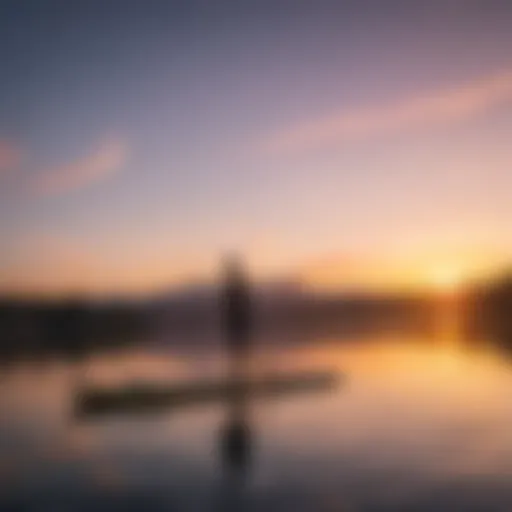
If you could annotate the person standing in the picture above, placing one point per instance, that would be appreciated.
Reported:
(237, 309)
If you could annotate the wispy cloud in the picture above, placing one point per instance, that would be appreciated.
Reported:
(10, 156)
(106, 160)
(440, 107)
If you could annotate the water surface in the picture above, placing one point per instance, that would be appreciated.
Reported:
(416, 425)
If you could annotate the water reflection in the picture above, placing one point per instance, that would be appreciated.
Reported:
(449, 320)
(235, 448)
(422, 426)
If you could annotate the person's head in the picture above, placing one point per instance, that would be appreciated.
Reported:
(232, 267)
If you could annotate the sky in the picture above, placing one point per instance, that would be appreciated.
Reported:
(358, 144)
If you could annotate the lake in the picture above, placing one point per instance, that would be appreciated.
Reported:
(415, 424)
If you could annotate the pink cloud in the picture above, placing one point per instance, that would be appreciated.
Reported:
(439, 107)
(106, 160)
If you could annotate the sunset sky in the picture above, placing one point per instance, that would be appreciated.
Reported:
(355, 144)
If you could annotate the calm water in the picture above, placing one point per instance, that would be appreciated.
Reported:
(416, 426)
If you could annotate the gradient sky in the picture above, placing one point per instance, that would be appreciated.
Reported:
(357, 143)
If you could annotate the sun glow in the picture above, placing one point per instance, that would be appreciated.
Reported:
(446, 279)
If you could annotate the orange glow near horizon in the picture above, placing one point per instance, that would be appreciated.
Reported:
(443, 278)
(63, 272)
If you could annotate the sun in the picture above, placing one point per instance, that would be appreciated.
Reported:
(446, 279)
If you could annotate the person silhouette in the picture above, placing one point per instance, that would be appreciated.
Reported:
(235, 440)
(237, 309)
